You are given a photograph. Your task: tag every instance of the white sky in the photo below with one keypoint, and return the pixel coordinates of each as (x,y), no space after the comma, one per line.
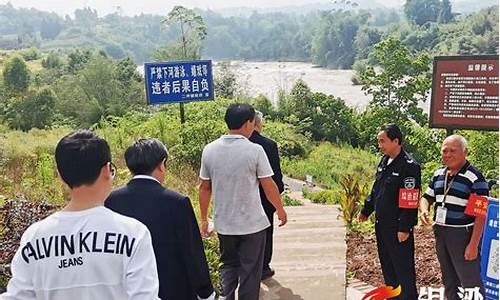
(160,7)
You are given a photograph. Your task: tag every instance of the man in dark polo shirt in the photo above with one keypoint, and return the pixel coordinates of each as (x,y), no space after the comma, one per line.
(457,235)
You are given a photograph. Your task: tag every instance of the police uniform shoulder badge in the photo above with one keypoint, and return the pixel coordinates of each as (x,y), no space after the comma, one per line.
(409,182)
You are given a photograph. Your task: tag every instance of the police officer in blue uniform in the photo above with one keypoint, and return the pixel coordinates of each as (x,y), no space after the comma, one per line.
(394,198)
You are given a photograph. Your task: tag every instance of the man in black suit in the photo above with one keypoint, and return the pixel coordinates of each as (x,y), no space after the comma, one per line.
(271,149)
(169,216)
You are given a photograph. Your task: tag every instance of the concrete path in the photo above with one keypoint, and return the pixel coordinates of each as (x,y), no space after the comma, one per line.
(309,253)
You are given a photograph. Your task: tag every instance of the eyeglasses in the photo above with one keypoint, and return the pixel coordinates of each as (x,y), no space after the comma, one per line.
(112,169)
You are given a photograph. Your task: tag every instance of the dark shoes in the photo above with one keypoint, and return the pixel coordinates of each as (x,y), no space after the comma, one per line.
(266,274)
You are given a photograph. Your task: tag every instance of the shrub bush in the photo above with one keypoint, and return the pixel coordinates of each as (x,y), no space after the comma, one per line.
(323,197)
(30,54)
(288,201)
(354,190)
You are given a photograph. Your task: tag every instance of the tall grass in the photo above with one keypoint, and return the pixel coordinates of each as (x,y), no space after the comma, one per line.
(328,163)
(28,167)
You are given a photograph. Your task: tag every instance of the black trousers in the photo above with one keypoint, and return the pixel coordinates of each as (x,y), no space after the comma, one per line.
(397,261)
(268,250)
(455,270)
(242,257)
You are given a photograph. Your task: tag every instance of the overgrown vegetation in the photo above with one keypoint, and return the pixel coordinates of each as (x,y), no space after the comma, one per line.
(327,163)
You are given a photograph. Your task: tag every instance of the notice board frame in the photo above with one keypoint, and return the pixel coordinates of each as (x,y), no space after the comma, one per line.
(432,123)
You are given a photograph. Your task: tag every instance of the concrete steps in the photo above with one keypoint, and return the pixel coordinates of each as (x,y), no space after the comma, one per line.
(309,254)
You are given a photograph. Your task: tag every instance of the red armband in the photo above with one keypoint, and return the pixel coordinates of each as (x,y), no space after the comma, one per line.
(408,198)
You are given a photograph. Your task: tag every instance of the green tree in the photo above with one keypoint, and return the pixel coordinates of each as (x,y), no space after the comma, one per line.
(35,111)
(77,59)
(301,100)
(445,14)
(319,47)
(368,124)
(100,83)
(333,44)
(126,71)
(301,45)
(322,116)
(204,124)
(364,41)
(16,76)
(401,83)
(225,85)
(358,67)
(290,142)
(423,38)
(482,23)
(51,26)
(52,61)
(333,120)
(383,16)
(87,19)
(102,88)
(30,54)
(114,50)
(294,108)
(482,150)
(193,32)
(264,105)
(422,11)
(73,102)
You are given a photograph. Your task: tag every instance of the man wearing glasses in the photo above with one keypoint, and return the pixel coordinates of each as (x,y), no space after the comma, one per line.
(182,266)
(84,251)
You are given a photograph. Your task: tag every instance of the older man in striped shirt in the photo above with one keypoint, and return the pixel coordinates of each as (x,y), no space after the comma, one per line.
(457,235)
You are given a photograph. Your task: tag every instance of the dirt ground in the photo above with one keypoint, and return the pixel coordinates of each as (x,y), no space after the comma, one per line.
(362,258)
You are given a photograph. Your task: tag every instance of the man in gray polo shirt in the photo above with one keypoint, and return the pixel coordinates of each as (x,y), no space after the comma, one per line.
(231,169)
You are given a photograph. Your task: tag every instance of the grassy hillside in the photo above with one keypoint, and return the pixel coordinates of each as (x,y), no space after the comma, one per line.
(327,163)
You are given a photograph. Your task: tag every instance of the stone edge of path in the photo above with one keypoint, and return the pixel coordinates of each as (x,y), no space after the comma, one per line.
(356,289)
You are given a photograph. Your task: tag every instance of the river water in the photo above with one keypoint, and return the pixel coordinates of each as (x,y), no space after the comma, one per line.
(269,77)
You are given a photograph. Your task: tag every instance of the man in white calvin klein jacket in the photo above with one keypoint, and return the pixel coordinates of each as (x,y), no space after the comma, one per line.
(84,251)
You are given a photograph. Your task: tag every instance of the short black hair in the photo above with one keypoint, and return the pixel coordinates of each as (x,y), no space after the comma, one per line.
(144,155)
(393,132)
(80,157)
(237,114)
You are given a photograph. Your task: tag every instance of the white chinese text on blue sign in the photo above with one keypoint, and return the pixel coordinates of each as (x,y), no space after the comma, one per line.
(179,81)
(489,251)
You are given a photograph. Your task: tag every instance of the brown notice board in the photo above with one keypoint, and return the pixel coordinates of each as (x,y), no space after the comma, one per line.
(465,92)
